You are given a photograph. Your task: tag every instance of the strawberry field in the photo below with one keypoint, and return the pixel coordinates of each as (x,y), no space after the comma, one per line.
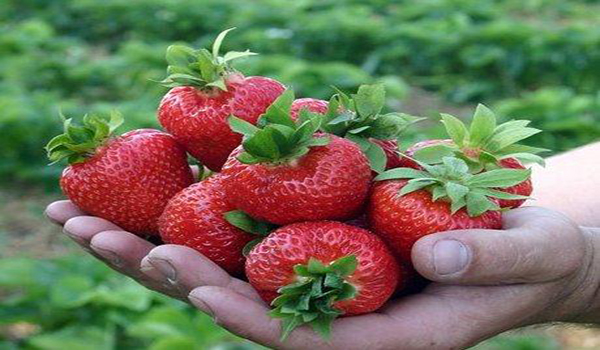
(534,59)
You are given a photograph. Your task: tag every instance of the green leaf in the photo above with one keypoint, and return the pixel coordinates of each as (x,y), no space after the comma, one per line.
(482,126)
(415,185)
(262,145)
(219,40)
(478,204)
(402,173)
(245,222)
(279,111)
(438,192)
(499,194)
(315,266)
(527,158)
(369,99)
(377,158)
(241,126)
(455,166)
(499,178)
(456,192)
(180,55)
(509,137)
(234,55)
(344,266)
(435,153)
(455,128)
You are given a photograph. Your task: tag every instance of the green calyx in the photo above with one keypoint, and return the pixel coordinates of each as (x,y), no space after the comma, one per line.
(452,181)
(248,224)
(358,118)
(276,138)
(200,68)
(310,300)
(79,142)
(485,142)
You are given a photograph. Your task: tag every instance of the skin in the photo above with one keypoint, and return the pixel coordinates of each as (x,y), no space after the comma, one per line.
(543,267)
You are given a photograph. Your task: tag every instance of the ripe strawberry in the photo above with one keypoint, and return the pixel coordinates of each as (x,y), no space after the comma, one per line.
(484,146)
(359,119)
(438,198)
(284,173)
(205,91)
(127,180)
(313,272)
(310,104)
(196,217)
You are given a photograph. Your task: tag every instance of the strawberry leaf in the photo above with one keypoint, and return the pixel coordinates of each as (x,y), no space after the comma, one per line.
(310,300)
(455,128)
(482,126)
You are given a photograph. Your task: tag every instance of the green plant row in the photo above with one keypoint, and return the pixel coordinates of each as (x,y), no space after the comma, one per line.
(75,302)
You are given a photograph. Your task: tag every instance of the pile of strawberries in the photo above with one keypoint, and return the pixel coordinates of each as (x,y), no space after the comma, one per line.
(311,201)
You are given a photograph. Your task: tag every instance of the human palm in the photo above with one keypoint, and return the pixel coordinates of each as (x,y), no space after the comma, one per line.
(540,268)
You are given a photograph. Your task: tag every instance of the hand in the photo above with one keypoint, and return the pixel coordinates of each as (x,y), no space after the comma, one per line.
(541,268)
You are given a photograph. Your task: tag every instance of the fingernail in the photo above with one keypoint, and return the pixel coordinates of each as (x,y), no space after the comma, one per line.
(200,304)
(449,256)
(109,255)
(165,268)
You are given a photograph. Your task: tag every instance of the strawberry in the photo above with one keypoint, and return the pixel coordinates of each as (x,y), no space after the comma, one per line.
(205,91)
(311,104)
(358,118)
(284,173)
(484,146)
(197,217)
(408,204)
(313,272)
(127,180)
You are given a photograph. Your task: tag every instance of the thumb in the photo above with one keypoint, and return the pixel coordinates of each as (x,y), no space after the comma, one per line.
(536,245)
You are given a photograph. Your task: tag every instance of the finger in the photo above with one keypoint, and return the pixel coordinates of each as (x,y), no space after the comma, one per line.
(539,245)
(83,228)
(122,249)
(187,269)
(60,212)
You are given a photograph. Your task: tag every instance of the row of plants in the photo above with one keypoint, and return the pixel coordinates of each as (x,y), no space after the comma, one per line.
(536,59)
(469,49)
(75,302)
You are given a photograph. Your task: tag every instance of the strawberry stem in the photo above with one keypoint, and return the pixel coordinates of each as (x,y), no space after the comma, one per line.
(310,300)
(358,118)
(277,139)
(452,181)
(201,68)
(79,142)
(485,142)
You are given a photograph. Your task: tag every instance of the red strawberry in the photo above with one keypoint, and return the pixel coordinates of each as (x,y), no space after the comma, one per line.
(438,198)
(205,91)
(127,180)
(195,217)
(285,174)
(310,104)
(484,146)
(312,272)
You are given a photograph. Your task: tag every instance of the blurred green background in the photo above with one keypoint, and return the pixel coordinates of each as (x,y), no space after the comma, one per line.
(536,59)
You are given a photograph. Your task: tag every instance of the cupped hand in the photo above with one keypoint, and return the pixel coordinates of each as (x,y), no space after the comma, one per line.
(540,268)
